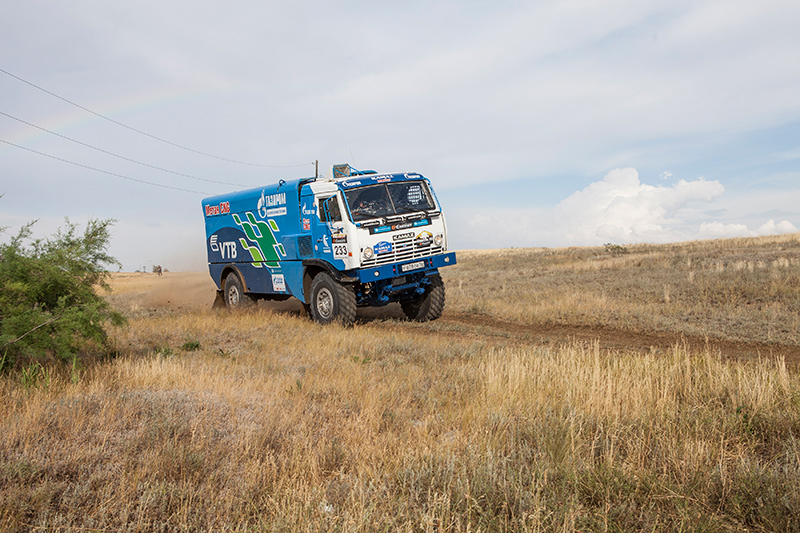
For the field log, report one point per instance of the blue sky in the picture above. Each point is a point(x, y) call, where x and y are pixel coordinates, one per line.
point(564, 123)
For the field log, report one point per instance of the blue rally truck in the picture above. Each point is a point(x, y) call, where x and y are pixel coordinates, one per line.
point(350, 239)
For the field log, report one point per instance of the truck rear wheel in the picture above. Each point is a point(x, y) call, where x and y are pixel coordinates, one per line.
point(233, 293)
point(331, 301)
point(428, 306)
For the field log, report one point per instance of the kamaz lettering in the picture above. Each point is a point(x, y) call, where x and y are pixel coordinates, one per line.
point(334, 243)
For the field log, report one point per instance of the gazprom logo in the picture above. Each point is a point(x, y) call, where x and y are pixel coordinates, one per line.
point(269, 200)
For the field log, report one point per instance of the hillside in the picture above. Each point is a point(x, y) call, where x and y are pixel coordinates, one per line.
point(593, 389)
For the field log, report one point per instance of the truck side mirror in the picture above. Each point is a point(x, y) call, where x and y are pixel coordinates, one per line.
point(330, 210)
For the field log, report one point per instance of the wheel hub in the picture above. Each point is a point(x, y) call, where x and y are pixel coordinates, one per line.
point(233, 296)
point(324, 303)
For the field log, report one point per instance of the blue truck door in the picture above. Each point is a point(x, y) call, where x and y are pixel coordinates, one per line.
point(312, 223)
point(321, 233)
point(323, 218)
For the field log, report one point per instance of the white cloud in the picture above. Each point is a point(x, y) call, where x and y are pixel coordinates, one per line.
point(620, 209)
point(771, 228)
point(718, 230)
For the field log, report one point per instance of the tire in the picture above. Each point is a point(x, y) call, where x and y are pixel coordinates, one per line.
point(428, 306)
point(331, 301)
point(233, 294)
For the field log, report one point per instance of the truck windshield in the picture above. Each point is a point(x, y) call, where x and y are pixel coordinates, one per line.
point(387, 199)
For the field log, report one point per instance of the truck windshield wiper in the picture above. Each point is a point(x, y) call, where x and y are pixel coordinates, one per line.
point(367, 217)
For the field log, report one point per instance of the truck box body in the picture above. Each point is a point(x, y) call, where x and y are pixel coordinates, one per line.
point(246, 229)
point(381, 236)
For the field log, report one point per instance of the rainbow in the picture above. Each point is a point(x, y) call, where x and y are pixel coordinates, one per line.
point(74, 118)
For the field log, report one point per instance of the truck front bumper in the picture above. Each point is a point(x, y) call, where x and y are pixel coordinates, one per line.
point(366, 275)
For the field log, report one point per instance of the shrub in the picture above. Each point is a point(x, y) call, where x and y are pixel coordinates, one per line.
point(49, 307)
point(615, 250)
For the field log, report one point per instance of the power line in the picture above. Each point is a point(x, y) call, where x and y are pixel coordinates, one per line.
point(117, 155)
point(101, 170)
point(95, 113)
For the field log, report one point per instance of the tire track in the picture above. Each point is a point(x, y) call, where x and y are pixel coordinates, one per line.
point(480, 327)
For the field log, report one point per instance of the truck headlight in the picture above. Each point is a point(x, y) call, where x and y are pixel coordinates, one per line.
point(367, 253)
point(438, 240)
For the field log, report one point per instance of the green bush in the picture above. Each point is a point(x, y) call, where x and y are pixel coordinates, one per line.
point(615, 250)
point(49, 307)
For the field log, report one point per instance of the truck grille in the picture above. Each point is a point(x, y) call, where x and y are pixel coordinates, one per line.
point(403, 250)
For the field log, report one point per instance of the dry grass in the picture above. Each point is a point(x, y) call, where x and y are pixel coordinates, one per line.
point(736, 289)
point(267, 422)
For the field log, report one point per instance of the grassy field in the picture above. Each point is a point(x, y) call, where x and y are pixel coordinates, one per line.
point(484, 420)
point(739, 289)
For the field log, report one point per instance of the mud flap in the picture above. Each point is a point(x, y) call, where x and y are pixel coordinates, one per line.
point(219, 301)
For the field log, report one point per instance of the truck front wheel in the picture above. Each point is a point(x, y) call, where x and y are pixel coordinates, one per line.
point(429, 305)
point(331, 301)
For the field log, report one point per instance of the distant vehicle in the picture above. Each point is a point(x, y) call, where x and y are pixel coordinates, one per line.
point(354, 238)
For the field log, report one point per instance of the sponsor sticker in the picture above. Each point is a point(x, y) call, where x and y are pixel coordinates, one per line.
point(276, 212)
point(270, 200)
point(278, 283)
point(382, 247)
point(222, 209)
point(306, 224)
point(425, 238)
point(339, 238)
point(400, 226)
point(227, 250)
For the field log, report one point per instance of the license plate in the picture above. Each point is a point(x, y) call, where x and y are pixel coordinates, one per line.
point(412, 266)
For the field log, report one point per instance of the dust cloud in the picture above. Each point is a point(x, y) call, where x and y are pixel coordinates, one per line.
point(181, 290)
point(136, 294)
